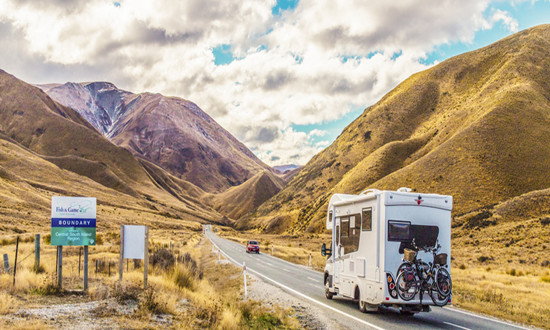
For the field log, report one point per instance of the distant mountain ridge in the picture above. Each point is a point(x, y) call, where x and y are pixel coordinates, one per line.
point(171, 132)
point(283, 169)
point(476, 126)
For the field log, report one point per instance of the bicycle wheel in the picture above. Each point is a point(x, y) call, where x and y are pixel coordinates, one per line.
point(437, 298)
point(402, 266)
point(406, 288)
point(443, 282)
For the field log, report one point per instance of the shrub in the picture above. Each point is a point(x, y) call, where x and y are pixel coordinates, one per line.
point(462, 267)
point(163, 258)
point(512, 272)
point(545, 279)
point(184, 278)
point(124, 294)
point(149, 303)
point(48, 239)
point(484, 258)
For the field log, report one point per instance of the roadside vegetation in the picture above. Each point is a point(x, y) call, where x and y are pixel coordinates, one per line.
point(501, 270)
point(188, 288)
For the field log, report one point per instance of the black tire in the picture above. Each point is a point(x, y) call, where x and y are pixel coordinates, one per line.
point(437, 298)
point(404, 287)
point(362, 305)
point(443, 282)
point(328, 294)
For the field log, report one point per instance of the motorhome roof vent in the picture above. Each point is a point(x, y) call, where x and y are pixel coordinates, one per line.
point(404, 189)
point(368, 191)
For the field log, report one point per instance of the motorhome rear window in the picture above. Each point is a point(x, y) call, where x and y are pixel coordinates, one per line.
point(398, 231)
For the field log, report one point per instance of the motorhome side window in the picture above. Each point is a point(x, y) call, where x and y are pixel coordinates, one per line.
point(350, 232)
point(398, 231)
point(366, 219)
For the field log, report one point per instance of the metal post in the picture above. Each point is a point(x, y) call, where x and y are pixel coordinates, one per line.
point(271, 249)
point(121, 258)
point(219, 256)
point(60, 267)
point(109, 268)
point(36, 252)
point(15, 264)
point(309, 259)
point(146, 257)
point(244, 273)
point(86, 268)
point(6, 263)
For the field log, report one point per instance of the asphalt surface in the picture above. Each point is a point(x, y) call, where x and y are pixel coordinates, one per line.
point(307, 284)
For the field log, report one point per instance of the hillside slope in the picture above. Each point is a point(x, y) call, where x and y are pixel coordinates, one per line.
point(476, 126)
point(171, 132)
point(239, 200)
point(45, 131)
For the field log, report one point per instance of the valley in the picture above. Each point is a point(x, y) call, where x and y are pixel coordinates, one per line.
point(476, 126)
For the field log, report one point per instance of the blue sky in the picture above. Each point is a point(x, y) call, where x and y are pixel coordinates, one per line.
point(284, 77)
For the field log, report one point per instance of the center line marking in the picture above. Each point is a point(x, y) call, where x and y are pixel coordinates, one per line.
point(455, 325)
point(313, 279)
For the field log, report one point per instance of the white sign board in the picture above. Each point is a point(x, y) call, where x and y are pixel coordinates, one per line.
point(134, 242)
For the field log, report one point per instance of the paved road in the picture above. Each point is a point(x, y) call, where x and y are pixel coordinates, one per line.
point(308, 285)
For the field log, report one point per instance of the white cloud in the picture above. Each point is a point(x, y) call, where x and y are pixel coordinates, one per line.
point(312, 65)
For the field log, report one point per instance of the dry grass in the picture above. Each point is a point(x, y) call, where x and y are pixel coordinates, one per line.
point(197, 292)
point(522, 299)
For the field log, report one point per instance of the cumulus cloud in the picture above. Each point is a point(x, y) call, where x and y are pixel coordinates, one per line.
point(309, 65)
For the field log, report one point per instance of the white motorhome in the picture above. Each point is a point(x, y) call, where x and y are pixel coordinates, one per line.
point(369, 234)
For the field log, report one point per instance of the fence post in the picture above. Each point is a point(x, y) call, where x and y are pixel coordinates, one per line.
point(6, 263)
point(310, 259)
point(15, 264)
point(36, 252)
point(271, 249)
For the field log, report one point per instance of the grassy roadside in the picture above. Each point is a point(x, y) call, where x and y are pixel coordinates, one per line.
point(195, 292)
point(518, 292)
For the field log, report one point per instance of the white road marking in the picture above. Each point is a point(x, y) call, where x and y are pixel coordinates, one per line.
point(268, 263)
point(455, 325)
point(483, 317)
point(314, 279)
point(315, 286)
point(303, 295)
point(286, 270)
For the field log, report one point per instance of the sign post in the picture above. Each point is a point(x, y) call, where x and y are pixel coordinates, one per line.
point(73, 224)
point(36, 252)
point(134, 244)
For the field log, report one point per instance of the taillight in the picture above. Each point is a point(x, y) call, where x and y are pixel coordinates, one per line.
point(391, 287)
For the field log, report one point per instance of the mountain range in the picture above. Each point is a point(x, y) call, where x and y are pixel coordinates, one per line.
point(476, 126)
point(168, 131)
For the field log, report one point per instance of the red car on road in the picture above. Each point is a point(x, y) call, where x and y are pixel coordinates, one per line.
point(253, 246)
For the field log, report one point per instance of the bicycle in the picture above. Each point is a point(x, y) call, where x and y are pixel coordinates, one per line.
point(415, 275)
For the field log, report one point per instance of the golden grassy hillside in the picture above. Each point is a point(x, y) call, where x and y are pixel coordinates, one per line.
point(48, 149)
point(239, 200)
point(476, 126)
